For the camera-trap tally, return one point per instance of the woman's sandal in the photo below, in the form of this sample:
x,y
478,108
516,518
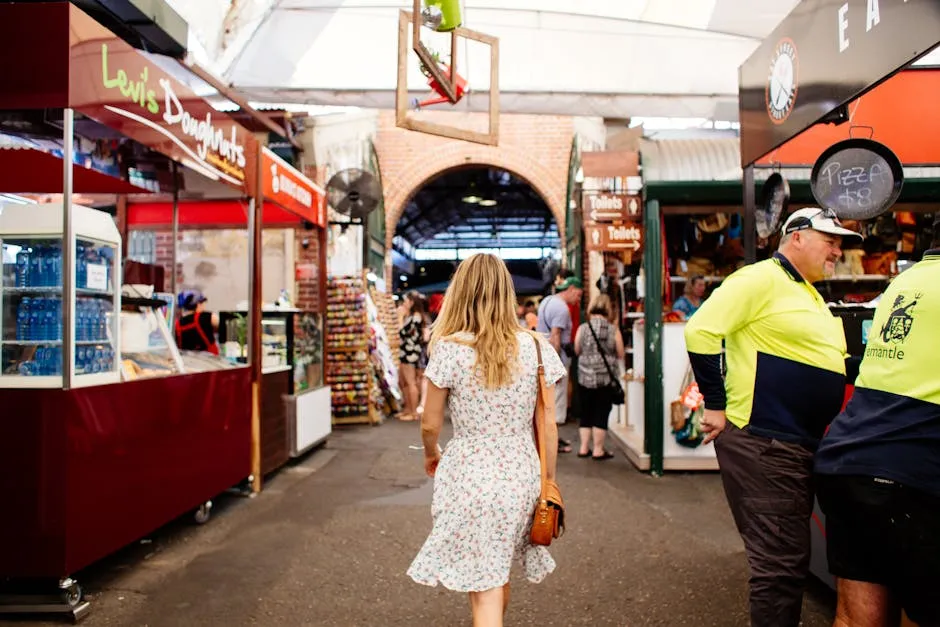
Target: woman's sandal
x,y
600,458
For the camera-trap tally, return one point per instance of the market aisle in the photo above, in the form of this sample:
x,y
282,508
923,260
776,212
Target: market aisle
x,y
328,543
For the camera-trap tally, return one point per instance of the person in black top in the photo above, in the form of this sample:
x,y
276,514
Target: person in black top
x,y
196,328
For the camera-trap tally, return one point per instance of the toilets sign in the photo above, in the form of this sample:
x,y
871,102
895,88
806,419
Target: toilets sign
x,y
612,207
610,237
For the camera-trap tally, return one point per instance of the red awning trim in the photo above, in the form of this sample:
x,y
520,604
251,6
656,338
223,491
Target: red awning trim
x,y
204,215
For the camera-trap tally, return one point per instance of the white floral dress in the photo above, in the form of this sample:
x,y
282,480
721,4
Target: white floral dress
x,y
488,480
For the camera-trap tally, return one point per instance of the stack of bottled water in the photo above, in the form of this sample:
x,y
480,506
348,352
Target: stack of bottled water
x,y
40,266
91,320
93,359
39,319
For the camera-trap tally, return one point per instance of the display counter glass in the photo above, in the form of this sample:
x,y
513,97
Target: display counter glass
x,y
33,306
291,339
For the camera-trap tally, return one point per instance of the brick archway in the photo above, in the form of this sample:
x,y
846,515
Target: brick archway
x,y
425,168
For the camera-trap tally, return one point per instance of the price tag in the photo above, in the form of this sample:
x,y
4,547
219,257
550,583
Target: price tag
x,y
97,277
858,178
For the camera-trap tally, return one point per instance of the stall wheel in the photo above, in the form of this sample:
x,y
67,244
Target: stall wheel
x,y
70,592
203,513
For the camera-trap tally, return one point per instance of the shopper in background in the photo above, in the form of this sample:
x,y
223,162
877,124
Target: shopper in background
x,y
423,361
196,328
528,318
555,324
692,297
483,368
878,467
785,382
411,329
596,340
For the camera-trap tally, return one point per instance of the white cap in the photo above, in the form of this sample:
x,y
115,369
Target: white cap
x,y
822,220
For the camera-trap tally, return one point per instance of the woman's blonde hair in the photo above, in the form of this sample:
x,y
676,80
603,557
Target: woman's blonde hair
x,y
481,300
600,306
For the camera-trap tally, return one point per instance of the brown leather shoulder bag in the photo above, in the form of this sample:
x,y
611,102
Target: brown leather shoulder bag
x,y
549,520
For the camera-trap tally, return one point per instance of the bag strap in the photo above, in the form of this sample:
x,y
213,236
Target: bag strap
x,y
540,418
613,379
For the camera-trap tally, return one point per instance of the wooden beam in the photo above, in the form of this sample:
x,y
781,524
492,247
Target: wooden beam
x,y
232,95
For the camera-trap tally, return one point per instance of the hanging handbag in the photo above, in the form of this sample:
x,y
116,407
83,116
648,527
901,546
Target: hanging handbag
x,y
686,412
614,389
548,522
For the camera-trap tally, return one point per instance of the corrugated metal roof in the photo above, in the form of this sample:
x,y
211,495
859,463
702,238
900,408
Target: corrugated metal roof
x,y
719,159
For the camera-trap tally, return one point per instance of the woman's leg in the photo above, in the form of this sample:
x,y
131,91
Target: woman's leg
x,y
586,397
487,607
409,389
599,426
423,390
505,599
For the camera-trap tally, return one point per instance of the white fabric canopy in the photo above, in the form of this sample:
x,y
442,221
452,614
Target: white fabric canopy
x,y
615,58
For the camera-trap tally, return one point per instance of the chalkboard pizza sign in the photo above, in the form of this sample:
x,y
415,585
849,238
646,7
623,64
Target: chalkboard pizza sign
x,y
857,178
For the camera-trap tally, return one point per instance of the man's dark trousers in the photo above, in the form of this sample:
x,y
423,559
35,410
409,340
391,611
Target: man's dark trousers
x,y
769,487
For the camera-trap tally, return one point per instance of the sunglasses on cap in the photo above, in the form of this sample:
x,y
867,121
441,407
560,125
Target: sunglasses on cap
x,y
806,222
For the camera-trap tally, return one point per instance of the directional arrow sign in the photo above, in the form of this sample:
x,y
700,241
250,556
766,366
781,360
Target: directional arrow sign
x,y
603,207
614,237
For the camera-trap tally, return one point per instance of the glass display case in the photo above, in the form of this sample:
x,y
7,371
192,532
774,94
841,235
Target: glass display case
x,y
290,339
308,351
33,306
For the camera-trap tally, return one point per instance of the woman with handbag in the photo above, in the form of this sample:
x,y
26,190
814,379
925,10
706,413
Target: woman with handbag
x,y
489,480
597,343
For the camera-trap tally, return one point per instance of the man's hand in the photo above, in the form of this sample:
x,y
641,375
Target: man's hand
x,y
712,424
431,462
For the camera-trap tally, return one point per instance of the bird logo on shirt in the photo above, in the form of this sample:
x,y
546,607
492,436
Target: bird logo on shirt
x,y
899,323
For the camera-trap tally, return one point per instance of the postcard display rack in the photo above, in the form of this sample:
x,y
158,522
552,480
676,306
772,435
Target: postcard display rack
x,y
348,364
32,302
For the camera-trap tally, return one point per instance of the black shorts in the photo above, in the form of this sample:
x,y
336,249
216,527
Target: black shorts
x,y
882,532
595,407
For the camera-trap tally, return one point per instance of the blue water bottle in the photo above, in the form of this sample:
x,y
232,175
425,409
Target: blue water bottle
x,y
81,267
57,321
55,266
41,361
35,321
79,322
35,267
22,268
22,319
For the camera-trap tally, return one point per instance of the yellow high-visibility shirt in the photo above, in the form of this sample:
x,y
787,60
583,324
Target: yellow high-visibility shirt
x,y
784,350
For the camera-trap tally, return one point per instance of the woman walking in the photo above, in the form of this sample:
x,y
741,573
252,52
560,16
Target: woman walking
x,y
599,346
483,368
411,330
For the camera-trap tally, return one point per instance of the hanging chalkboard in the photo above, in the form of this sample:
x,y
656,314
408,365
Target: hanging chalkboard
x,y
857,178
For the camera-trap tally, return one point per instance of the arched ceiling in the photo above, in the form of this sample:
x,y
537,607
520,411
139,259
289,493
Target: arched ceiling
x,y
616,58
477,208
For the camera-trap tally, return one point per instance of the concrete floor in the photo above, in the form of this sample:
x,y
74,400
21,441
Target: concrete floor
x,y
330,538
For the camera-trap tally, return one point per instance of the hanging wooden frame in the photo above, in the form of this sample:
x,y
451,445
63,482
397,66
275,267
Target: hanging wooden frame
x,y
412,21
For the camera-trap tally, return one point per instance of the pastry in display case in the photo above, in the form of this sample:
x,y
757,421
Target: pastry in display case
x,y
33,306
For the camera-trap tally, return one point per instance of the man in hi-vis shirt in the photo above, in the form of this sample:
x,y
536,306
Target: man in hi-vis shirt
x,y
879,465
785,354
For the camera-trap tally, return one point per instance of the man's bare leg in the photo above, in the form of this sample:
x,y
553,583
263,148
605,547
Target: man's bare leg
x,y
863,604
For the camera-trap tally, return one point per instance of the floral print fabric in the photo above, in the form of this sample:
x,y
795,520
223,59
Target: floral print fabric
x,y
488,480
409,351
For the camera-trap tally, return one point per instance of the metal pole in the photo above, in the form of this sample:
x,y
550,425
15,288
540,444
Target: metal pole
x,y
750,216
653,331
255,224
68,251
174,168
